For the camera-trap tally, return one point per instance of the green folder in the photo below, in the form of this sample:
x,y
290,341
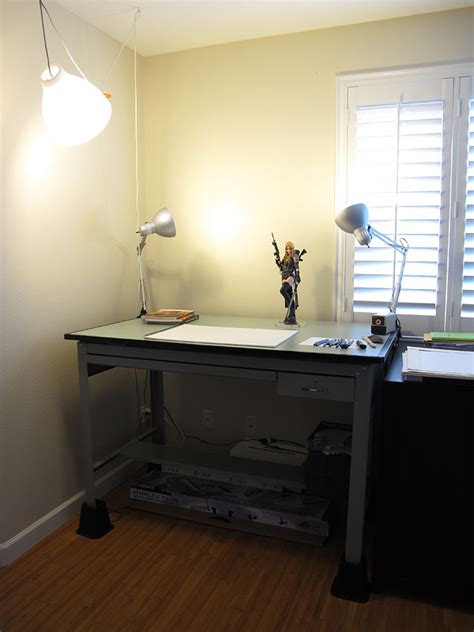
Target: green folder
x,y
452,336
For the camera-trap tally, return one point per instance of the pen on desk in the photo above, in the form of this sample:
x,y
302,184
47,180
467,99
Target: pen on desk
x,y
369,342
361,344
320,343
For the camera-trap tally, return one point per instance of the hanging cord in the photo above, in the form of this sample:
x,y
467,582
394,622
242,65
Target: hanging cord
x,y
44,8
135,86
130,33
44,36
141,283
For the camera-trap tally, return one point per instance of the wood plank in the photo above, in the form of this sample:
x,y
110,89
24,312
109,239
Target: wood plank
x,y
156,573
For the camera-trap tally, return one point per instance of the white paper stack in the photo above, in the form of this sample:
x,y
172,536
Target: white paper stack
x,y
445,363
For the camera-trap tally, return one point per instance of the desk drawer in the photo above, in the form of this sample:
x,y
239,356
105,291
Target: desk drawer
x,y
316,386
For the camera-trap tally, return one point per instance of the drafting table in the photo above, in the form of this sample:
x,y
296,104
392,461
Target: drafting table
x,y
298,370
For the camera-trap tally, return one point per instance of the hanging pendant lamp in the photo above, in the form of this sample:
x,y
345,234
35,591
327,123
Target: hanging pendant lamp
x,y
74,110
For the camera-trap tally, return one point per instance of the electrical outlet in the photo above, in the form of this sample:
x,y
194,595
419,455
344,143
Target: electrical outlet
x,y
208,418
251,426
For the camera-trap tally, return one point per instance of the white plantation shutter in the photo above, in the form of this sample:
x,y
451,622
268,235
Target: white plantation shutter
x,y
467,297
406,149
397,173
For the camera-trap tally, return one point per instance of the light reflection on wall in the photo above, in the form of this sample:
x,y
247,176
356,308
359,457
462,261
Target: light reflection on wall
x,y
225,222
37,156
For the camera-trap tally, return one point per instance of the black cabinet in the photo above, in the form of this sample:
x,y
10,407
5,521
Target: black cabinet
x,y
424,493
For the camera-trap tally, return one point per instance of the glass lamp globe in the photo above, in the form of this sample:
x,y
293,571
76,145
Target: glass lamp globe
x,y
74,110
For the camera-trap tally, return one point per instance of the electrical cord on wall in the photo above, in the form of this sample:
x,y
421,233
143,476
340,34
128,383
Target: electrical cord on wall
x,y
264,440
169,419
119,517
141,401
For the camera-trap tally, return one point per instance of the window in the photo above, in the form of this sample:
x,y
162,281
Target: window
x,y
467,299
406,149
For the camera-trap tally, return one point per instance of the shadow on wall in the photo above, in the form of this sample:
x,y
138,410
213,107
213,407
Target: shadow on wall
x,y
232,401
323,285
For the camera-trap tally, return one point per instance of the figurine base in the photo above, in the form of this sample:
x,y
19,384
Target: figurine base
x,y
297,325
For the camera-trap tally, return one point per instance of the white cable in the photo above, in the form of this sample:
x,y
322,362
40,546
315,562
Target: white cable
x,y
137,206
132,31
64,43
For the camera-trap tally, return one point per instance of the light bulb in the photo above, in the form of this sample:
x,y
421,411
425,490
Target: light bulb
x,y
74,110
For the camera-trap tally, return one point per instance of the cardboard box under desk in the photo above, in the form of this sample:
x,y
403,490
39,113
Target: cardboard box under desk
x,y
285,509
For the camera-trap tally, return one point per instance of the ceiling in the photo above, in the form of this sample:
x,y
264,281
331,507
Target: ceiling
x,y
165,27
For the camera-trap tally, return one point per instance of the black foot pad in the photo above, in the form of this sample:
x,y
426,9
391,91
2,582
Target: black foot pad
x,y
94,521
351,582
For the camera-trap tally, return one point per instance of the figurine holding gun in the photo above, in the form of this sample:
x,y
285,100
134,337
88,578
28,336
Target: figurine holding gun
x,y
290,278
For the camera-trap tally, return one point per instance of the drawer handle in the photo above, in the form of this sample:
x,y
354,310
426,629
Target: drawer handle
x,y
320,389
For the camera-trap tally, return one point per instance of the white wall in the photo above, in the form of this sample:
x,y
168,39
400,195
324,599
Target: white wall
x,y
245,133
67,263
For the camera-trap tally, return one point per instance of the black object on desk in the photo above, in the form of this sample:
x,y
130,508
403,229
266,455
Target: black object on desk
x,y
424,502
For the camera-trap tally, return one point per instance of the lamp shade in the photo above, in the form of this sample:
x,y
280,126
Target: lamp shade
x,y
162,223
355,219
74,110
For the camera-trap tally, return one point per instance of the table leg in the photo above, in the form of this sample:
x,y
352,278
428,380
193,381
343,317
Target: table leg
x,y
157,406
351,581
94,521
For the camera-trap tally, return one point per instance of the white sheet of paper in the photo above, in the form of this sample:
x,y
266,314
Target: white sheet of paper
x,y
235,336
310,341
440,361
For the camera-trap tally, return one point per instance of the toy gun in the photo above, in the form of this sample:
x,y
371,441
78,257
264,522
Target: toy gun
x,y
299,255
276,254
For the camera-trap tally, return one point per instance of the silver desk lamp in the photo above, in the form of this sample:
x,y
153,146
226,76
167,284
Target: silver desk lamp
x,y
355,219
162,223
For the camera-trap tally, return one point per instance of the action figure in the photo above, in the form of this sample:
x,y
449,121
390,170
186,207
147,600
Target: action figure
x,y
290,278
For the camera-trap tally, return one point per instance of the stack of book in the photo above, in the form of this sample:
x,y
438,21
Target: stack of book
x,y
170,316
446,339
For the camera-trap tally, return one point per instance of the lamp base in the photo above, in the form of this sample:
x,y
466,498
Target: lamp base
x,y
384,323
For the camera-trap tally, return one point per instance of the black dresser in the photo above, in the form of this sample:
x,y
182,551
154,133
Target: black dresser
x,y
424,526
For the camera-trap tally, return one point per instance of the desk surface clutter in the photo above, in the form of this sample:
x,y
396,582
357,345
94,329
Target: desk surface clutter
x,y
263,333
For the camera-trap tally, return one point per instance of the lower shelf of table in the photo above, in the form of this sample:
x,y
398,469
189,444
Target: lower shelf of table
x,y
228,523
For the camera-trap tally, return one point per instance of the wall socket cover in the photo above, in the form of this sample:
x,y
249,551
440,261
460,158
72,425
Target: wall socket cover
x,y
208,418
251,425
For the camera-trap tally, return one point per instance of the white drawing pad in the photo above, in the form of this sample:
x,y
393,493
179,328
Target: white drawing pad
x,y
235,336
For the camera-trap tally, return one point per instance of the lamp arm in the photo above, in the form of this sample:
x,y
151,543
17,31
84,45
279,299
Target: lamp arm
x,y
398,285
141,281
402,248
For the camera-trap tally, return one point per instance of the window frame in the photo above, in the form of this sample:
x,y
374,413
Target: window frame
x,y
465,87
454,216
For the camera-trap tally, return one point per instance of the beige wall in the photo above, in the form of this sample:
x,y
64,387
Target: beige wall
x,y
67,248
245,133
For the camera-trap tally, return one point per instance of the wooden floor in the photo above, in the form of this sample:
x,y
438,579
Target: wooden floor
x,y
157,573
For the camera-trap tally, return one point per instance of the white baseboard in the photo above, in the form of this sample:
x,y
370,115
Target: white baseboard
x,y
38,530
